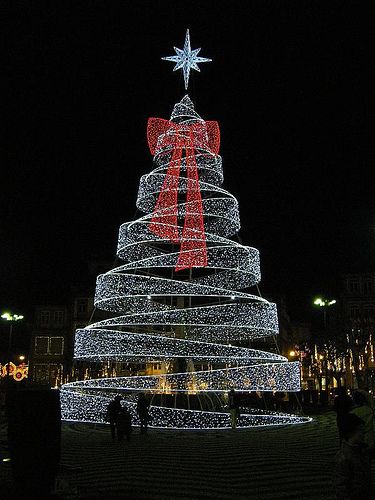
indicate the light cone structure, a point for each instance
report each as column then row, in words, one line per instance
column 179, row 299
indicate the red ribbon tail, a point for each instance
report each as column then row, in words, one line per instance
column 164, row 219
column 193, row 250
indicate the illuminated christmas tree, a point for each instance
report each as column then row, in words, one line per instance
column 178, row 301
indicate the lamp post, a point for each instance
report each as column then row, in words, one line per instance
column 11, row 318
column 325, row 303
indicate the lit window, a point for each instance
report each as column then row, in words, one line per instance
column 41, row 345
column 41, row 373
column 56, row 345
column 49, row 345
column 48, row 373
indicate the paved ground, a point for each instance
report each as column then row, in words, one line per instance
column 291, row 462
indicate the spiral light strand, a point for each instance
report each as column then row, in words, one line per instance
column 178, row 296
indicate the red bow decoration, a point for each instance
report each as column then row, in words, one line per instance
column 166, row 136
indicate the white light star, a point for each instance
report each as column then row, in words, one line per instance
column 186, row 59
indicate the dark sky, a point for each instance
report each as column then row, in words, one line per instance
column 291, row 84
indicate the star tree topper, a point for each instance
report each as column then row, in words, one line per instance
column 186, row 59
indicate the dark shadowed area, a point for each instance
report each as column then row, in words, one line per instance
column 291, row 84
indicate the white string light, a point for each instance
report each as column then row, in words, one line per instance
column 212, row 310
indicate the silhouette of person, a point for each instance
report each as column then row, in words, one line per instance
column 365, row 412
column 124, row 424
column 113, row 410
column 234, row 409
column 342, row 405
column 352, row 462
column 142, row 410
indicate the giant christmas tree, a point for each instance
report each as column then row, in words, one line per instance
column 178, row 301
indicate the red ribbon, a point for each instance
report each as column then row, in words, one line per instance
column 169, row 137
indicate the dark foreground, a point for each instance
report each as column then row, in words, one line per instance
column 292, row 462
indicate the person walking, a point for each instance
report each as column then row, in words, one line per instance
column 234, row 409
column 124, row 424
column 113, row 410
column 142, row 410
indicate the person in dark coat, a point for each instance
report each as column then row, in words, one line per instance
column 342, row 405
column 142, row 410
column 366, row 413
column 234, row 407
column 352, row 462
column 113, row 410
column 124, row 424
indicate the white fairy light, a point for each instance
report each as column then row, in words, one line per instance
column 212, row 311
column 91, row 407
column 186, row 59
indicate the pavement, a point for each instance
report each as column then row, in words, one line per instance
column 289, row 462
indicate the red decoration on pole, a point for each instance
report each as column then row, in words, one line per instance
column 166, row 136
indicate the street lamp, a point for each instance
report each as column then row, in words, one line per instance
column 11, row 318
column 325, row 303
column 322, row 361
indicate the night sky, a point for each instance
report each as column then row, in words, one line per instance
column 291, row 85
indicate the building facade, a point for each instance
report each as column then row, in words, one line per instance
column 357, row 308
column 52, row 340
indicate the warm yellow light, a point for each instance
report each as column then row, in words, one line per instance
column 292, row 353
column 22, row 357
column 321, row 356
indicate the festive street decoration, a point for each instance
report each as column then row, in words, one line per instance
column 188, row 137
column 186, row 59
column 17, row 372
column 178, row 299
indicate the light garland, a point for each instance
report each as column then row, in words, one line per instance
column 91, row 407
column 188, row 221
column 258, row 377
column 98, row 344
column 17, row 372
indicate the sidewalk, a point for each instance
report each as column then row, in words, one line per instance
column 291, row 462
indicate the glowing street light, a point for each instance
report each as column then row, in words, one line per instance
column 325, row 303
column 11, row 317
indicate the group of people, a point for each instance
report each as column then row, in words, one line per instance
column 120, row 419
column 356, row 427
